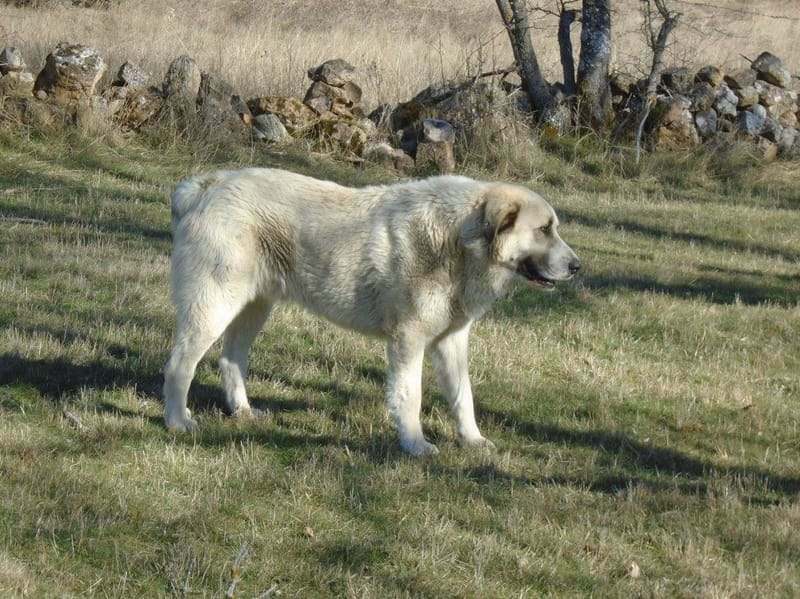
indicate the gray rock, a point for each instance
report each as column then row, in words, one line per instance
column 706, row 123
column 709, row 74
column 788, row 119
column 295, row 116
column 788, row 142
column 677, row 80
column 348, row 93
column 748, row 96
column 726, row 101
column 751, row 121
column 320, row 104
column 437, row 130
column 182, row 79
column 11, row 61
column 215, row 101
column 703, row 96
column 334, row 72
column 740, row 79
column 793, row 152
column 772, row 130
column 268, row 127
column 674, row 124
column 138, row 107
column 130, row 75
column 770, row 68
column 725, row 125
column 16, row 83
column 71, row 73
column 770, row 95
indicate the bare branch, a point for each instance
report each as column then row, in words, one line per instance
column 658, row 45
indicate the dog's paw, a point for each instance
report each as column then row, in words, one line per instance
column 478, row 442
column 178, row 424
column 249, row 413
column 419, row 448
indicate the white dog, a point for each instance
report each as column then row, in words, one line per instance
column 413, row 263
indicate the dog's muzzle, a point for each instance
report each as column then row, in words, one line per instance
column 528, row 269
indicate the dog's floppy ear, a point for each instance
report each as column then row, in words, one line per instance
column 499, row 214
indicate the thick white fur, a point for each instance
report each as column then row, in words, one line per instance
column 413, row 263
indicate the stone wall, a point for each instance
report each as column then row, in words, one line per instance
column 758, row 104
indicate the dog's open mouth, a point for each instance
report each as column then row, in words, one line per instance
column 528, row 270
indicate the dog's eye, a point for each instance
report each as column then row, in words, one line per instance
column 547, row 228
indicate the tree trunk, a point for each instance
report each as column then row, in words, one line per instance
column 594, row 91
column 515, row 18
column 565, row 22
column 658, row 44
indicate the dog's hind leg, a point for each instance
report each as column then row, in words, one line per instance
column 239, row 336
column 450, row 360
column 404, row 392
column 198, row 327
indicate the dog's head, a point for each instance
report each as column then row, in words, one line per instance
column 522, row 233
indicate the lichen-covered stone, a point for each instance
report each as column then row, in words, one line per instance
column 71, row 73
column 182, row 79
column 296, row 116
column 130, row 75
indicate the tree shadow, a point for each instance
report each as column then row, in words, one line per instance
column 644, row 458
column 703, row 288
column 54, row 214
column 597, row 222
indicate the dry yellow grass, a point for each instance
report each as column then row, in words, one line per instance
column 402, row 45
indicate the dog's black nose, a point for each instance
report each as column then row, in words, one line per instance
column 574, row 266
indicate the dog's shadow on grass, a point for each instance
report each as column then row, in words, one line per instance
column 58, row 380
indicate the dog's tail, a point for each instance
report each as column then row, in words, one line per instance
column 186, row 195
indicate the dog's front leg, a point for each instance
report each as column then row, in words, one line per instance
column 405, row 354
column 451, row 362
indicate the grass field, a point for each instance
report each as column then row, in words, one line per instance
column 646, row 416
